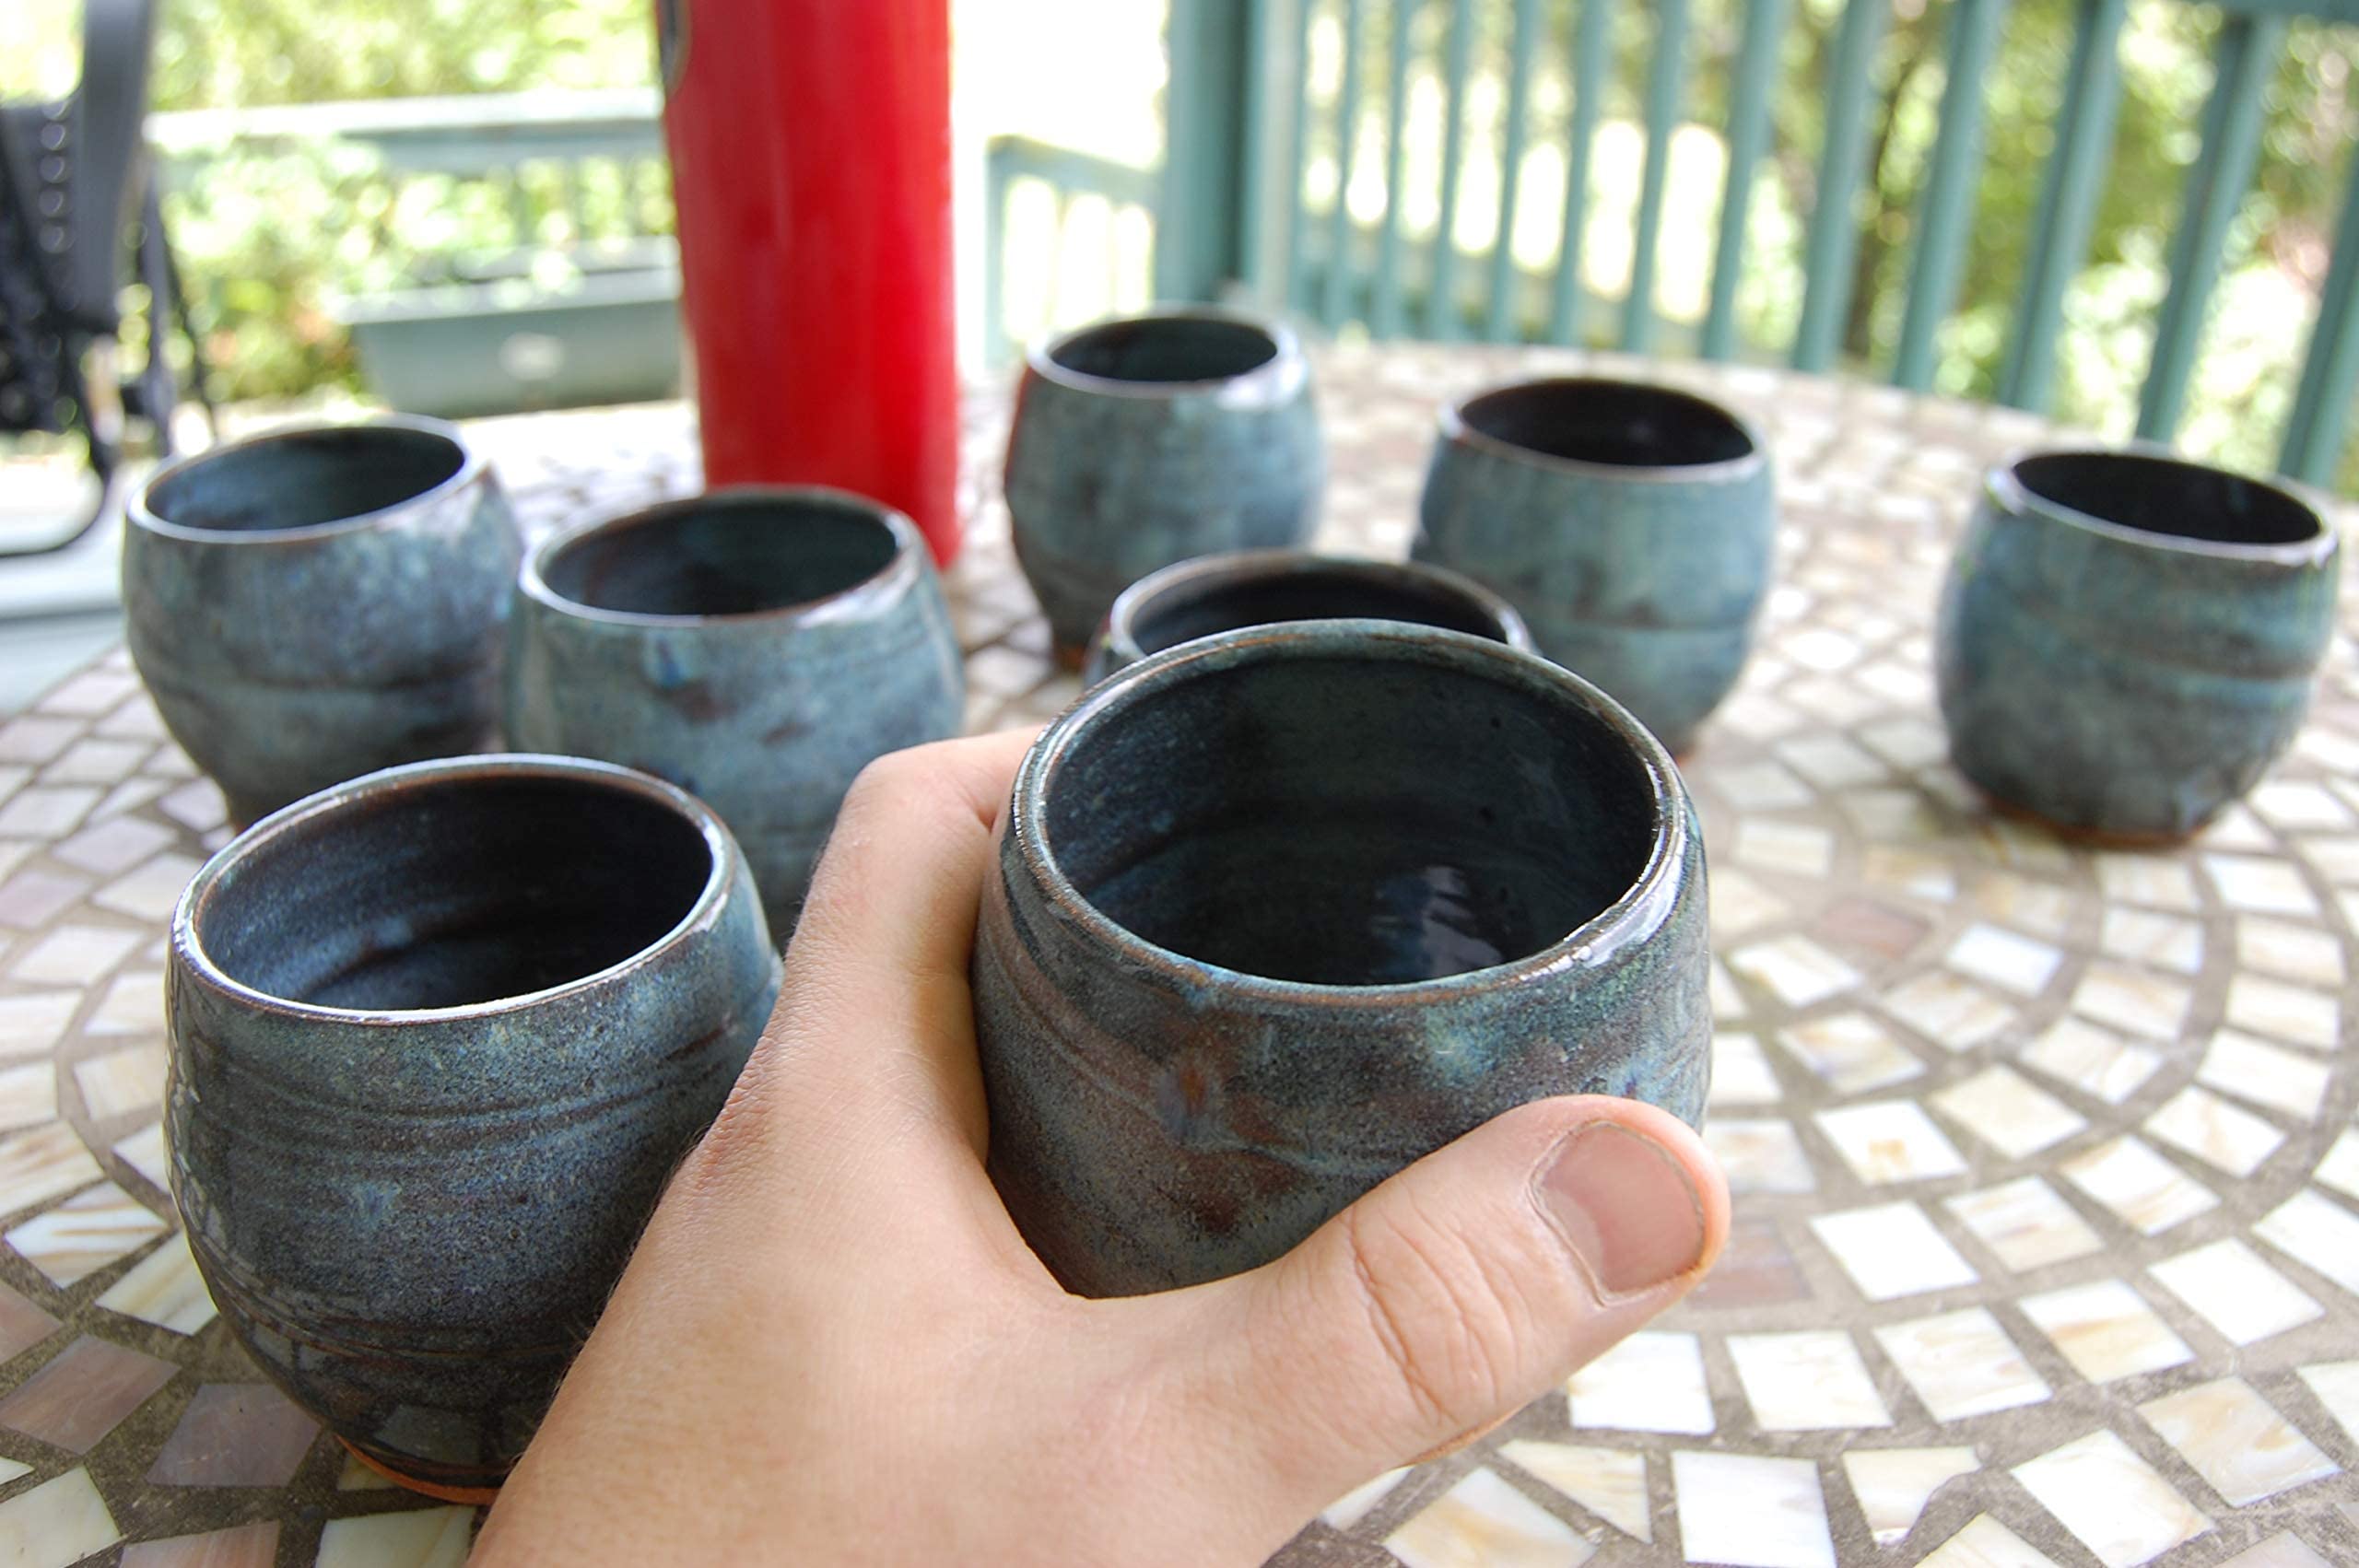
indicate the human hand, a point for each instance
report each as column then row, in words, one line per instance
column 833, row 1346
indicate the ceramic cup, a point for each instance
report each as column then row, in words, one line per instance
column 1254, row 588
column 1144, row 441
column 439, row 1036
column 2127, row 640
column 321, row 602
column 756, row 647
column 1632, row 525
column 1279, row 911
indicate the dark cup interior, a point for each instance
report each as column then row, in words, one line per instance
column 2161, row 495
column 1166, row 349
column 455, row 891
column 1349, row 819
column 305, row 477
column 1190, row 609
column 723, row 555
column 1625, row 424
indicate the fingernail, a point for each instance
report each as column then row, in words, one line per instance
column 1625, row 1206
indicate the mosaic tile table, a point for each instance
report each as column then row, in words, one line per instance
column 2047, row 1249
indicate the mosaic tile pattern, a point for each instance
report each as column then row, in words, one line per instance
column 2046, row 1246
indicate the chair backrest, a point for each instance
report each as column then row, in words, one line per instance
column 1329, row 162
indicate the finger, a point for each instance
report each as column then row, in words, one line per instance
column 1444, row 1300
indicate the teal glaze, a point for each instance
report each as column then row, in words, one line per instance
column 758, row 647
column 1144, row 441
column 2127, row 641
column 1632, row 525
column 438, row 1037
column 318, row 602
column 1279, row 911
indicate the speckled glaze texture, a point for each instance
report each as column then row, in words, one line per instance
column 1249, row 588
column 1279, row 911
column 1141, row 442
column 320, row 602
column 756, row 646
column 2127, row 641
column 1633, row 525
column 438, row 1037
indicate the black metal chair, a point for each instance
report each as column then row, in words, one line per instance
column 76, row 201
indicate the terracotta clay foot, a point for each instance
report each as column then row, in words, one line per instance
column 480, row 1495
column 2091, row 838
column 1069, row 655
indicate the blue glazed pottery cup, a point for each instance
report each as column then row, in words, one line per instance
column 1144, row 441
column 319, row 602
column 756, row 646
column 1254, row 588
column 439, row 1036
column 1279, row 911
column 1633, row 525
column 2127, row 640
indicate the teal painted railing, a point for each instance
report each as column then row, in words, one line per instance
column 1255, row 229
column 1037, row 243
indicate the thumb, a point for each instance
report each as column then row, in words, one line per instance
column 1447, row 1298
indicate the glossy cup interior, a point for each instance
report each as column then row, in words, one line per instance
column 452, row 891
column 2165, row 497
column 1617, row 424
column 1167, row 349
column 305, row 478
column 1350, row 819
column 722, row 555
column 1194, row 607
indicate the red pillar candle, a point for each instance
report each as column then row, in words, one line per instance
column 810, row 144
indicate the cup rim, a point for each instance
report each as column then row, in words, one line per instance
column 1280, row 373
column 1456, row 428
column 2005, row 485
column 899, row 570
column 1596, row 939
column 1139, row 599
column 472, row 466
column 705, row 911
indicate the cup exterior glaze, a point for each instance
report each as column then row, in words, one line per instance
column 767, row 715
column 2118, row 682
column 287, row 660
column 412, row 1218
column 1645, row 579
column 1109, row 479
column 1228, row 592
column 1156, row 1121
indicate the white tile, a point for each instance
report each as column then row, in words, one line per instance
column 1741, row 1072
column 1961, row 1365
column 2197, row 1122
column 1609, row 1482
column 2265, row 1074
column 1796, row 969
column 2288, row 948
column 1788, row 848
column 2336, row 859
column 1653, row 1381
column 2040, row 907
column 1728, row 1002
column 2096, row 1062
column 1901, row 816
column 2005, row 1110
column 33, row 1022
column 2238, row 828
column 1744, row 1512
column 2145, row 1191
column 1890, row 1140
column 2157, row 881
column 45, row 814
column 114, row 847
column 2107, row 1330
column 1342, row 1513
column 134, row 1004
column 1760, row 787
column 56, row 1523
column 2297, row 1014
column 2295, row 805
column 2135, row 1000
column 1850, row 1053
column 1894, row 1484
column 76, row 954
column 2339, row 1169
column 28, row 1095
column 2005, row 958
column 2161, row 941
column 1892, row 1250
column 1761, row 1155
column 85, row 1234
column 2336, row 1384
column 1987, row 1543
column 1483, row 1521
column 163, row 1288
column 151, row 892
column 2226, row 1283
column 2283, row 1549
column 2316, row 1230
column 1906, row 741
column 2025, row 1223
column 42, row 1163
column 1919, row 874
column 1806, row 1382
column 1831, row 762
column 2259, row 885
column 1950, row 1012
column 1741, row 903
column 422, row 1538
column 122, row 1081
column 2236, row 1441
column 2112, row 1500
column 144, row 1152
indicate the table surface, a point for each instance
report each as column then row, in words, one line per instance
column 2045, row 1252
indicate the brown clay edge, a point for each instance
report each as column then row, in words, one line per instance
column 482, row 1496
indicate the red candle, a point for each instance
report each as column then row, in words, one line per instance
column 810, row 145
